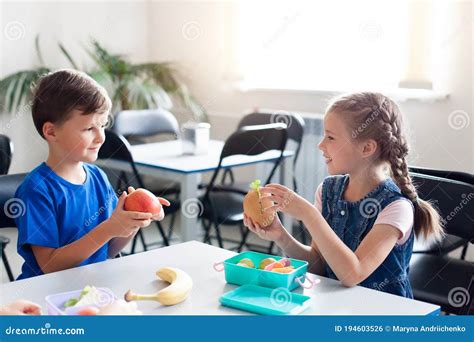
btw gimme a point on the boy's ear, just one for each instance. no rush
(49, 131)
(368, 148)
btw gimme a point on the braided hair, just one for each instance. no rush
(375, 116)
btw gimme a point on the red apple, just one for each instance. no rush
(144, 201)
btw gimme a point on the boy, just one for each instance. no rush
(69, 215)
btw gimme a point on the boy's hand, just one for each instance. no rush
(126, 223)
(21, 307)
(273, 232)
(163, 201)
(286, 200)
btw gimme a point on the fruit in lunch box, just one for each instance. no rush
(254, 205)
(284, 262)
(287, 269)
(88, 311)
(276, 264)
(246, 262)
(178, 290)
(265, 262)
(144, 201)
(88, 296)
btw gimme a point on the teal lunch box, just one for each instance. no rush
(265, 301)
(239, 275)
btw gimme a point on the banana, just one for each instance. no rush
(178, 290)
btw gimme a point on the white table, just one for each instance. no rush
(166, 160)
(137, 272)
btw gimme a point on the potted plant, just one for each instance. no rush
(130, 86)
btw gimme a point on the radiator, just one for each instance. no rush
(310, 167)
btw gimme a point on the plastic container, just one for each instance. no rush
(265, 301)
(195, 137)
(55, 302)
(239, 275)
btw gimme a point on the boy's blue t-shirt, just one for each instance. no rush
(58, 212)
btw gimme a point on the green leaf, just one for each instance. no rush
(15, 89)
(255, 185)
(68, 56)
(38, 50)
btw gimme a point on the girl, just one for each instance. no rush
(364, 221)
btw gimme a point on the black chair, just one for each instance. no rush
(449, 242)
(6, 152)
(295, 128)
(9, 209)
(138, 125)
(440, 279)
(224, 205)
(454, 175)
(116, 147)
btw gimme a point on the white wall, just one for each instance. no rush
(121, 26)
(195, 35)
(206, 60)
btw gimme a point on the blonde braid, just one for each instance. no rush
(396, 150)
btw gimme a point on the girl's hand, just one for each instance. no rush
(287, 201)
(21, 307)
(273, 232)
(161, 215)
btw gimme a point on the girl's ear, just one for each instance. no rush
(49, 131)
(368, 148)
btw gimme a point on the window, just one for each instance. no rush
(333, 45)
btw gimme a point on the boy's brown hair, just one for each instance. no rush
(58, 93)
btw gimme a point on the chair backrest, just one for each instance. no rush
(9, 207)
(454, 175)
(294, 123)
(251, 141)
(145, 123)
(295, 129)
(116, 147)
(6, 151)
(454, 200)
